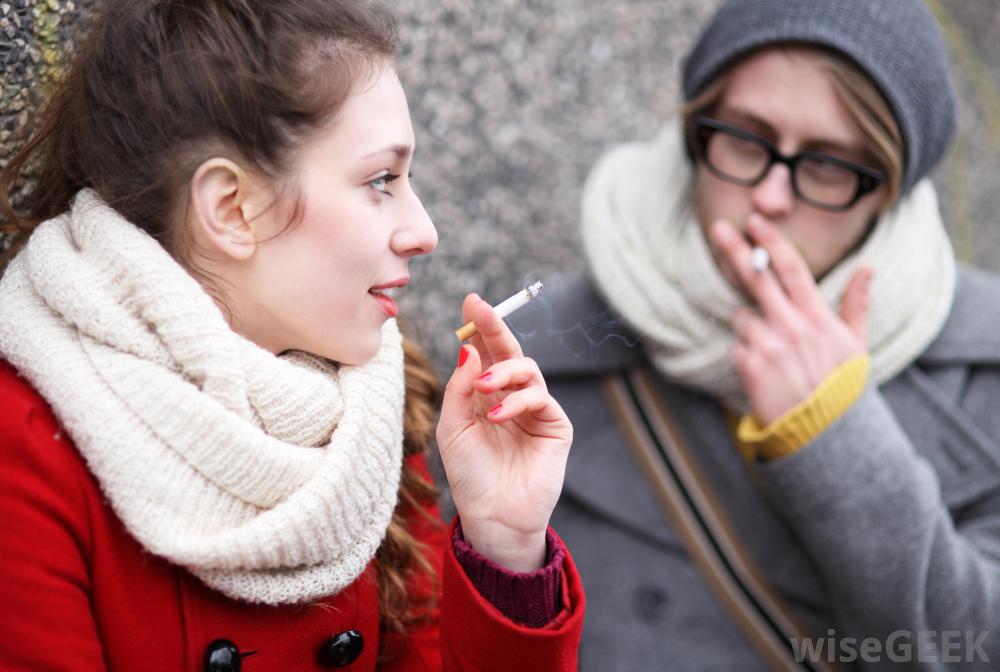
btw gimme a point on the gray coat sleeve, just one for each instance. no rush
(870, 513)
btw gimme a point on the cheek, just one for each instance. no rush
(715, 199)
(314, 270)
(824, 239)
(853, 232)
(335, 236)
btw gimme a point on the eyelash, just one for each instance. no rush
(385, 180)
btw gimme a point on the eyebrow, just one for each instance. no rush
(810, 143)
(401, 151)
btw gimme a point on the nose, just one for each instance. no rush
(416, 234)
(773, 196)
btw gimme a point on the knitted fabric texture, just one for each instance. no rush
(649, 258)
(896, 42)
(273, 479)
(527, 598)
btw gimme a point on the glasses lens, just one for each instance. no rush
(736, 157)
(825, 182)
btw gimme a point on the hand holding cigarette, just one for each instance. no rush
(788, 339)
(519, 300)
(504, 442)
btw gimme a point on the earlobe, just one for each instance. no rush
(220, 200)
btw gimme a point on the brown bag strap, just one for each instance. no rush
(711, 541)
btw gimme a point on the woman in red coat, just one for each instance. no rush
(213, 435)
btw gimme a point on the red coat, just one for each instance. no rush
(77, 592)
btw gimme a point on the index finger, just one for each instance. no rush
(497, 338)
(762, 286)
(788, 264)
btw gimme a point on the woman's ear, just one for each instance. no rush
(224, 202)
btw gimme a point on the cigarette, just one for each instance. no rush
(519, 300)
(759, 259)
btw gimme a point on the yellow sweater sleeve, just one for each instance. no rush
(838, 391)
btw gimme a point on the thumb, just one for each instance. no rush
(458, 405)
(854, 307)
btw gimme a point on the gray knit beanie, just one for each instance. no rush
(896, 42)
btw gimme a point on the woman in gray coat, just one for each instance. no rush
(785, 391)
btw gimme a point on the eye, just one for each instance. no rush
(381, 183)
(827, 171)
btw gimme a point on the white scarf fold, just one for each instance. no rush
(273, 479)
(649, 258)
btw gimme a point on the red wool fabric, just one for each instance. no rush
(531, 598)
(79, 593)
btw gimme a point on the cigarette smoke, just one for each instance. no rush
(550, 319)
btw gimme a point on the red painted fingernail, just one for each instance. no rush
(496, 409)
(486, 376)
(463, 355)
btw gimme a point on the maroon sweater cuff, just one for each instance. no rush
(529, 598)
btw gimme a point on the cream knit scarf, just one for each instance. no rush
(273, 479)
(650, 260)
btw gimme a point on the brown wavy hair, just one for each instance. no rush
(159, 86)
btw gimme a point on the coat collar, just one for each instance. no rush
(971, 333)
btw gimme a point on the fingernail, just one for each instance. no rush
(463, 355)
(486, 376)
(496, 409)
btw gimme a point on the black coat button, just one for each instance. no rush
(222, 656)
(341, 650)
(650, 604)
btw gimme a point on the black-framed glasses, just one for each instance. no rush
(741, 157)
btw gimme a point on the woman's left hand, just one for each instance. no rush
(504, 443)
(784, 352)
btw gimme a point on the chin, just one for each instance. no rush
(355, 353)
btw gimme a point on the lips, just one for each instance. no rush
(384, 295)
(386, 302)
(384, 291)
